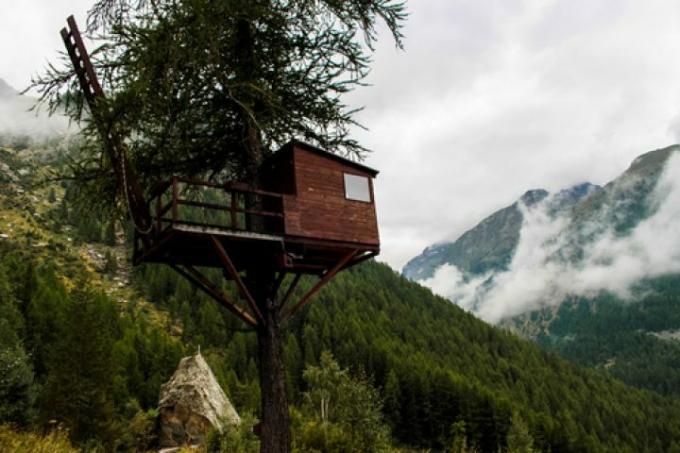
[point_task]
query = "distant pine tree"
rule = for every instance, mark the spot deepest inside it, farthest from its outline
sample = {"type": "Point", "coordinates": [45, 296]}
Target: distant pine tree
{"type": "Point", "coordinates": [79, 386]}
{"type": "Point", "coordinates": [519, 439]}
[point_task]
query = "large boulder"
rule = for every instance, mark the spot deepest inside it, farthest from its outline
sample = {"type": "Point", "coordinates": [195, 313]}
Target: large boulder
{"type": "Point", "coordinates": [191, 404]}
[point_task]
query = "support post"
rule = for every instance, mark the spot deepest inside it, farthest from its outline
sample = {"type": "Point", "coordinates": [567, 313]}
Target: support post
{"type": "Point", "coordinates": [232, 210]}
{"type": "Point", "coordinates": [159, 206]}
{"type": "Point", "coordinates": [175, 197]}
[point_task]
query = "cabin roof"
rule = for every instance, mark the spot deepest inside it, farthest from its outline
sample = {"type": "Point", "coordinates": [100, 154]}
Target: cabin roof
{"type": "Point", "coordinates": [316, 150]}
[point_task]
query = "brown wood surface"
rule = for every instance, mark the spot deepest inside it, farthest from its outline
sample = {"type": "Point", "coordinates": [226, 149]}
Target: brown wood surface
{"type": "Point", "coordinates": [320, 210]}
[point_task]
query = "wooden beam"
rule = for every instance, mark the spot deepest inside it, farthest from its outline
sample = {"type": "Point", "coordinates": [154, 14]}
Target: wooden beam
{"type": "Point", "coordinates": [361, 259]}
{"type": "Point", "coordinates": [277, 283]}
{"type": "Point", "coordinates": [201, 282]}
{"type": "Point", "coordinates": [290, 290]}
{"type": "Point", "coordinates": [322, 282]}
{"type": "Point", "coordinates": [149, 249]}
{"type": "Point", "coordinates": [175, 196]}
{"type": "Point", "coordinates": [233, 273]}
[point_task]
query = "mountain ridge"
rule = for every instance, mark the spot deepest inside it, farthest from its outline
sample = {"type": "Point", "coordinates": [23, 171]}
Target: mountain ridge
{"type": "Point", "coordinates": [597, 283]}
{"type": "Point", "coordinates": [472, 251]}
{"type": "Point", "coordinates": [6, 90]}
{"type": "Point", "coordinates": [497, 236]}
{"type": "Point", "coordinates": [20, 123]}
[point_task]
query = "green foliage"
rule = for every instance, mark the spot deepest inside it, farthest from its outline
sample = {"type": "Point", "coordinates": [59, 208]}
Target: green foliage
{"type": "Point", "coordinates": [631, 340]}
{"type": "Point", "coordinates": [459, 441]}
{"type": "Point", "coordinates": [519, 439]}
{"type": "Point", "coordinates": [448, 366]}
{"type": "Point", "coordinates": [79, 387]}
{"type": "Point", "coordinates": [210, 87]}
{"type": "Point", "coordinates": [17, 391]}
{"type": "Point", "coordinates": [110, 263]}
{"type": "Point", "coordinates": [140, 434]}
{"type": "Point", "coordinates": [324, 385]}
{"type": "Point", "coordinates": [347, 411]}
{"type": "Point", "coordinates": [434, 366]}
{"type": "Point", "coordinates": [446, 380]}
{"type": "Point", "coordinates": [17, 442]}
{"type": "Point", "coordinates": [91, 362]}
{"type": "Point", "coordinates": [234, 438]}
{"type": "Point", "coordinates": [144, 357]}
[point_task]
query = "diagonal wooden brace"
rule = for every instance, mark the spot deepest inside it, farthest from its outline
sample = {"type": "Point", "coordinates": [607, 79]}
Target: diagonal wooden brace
{"type": "Point", "coordinates": [290, 290]}
{"type": "Point", "coordinates": [322, 282]}
{"type": "Point", "coordinates": [199, 280]}
{"type": "Point", "coordinates": [233, 273]}
{"type": "Point", "coordinates": [277, 283]}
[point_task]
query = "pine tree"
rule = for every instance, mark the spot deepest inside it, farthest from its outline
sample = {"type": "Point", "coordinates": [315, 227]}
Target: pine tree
{"type": "Point", "coordinates": [17, 389]}
{"type": "Point", "coordinates": [519, 439]}
{"type": "Point", "coordinates": [391, 394]}
{"type": "Point", "coordinates": [79, 386]}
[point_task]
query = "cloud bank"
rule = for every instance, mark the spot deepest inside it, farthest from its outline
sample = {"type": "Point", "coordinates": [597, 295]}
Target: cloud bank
{"type": "Point", "coordinates": [538, 277]}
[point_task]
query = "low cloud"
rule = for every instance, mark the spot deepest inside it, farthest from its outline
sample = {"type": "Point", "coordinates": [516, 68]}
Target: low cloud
{"type": "Point", "coordinates": [18, 119]}
{"type": "Point", "coordinates": [612, 262]}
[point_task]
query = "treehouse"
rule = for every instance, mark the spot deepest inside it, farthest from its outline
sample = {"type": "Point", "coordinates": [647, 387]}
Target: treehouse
{"type": "Point", "coordinates": [316, 209]}
{"type": "Point", "coordinates": [313, 212]}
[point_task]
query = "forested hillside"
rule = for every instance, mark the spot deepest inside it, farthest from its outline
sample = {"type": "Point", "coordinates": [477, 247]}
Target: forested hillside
{"type": "Point", "coordinates": [86, 344]}
{"type": "Point", "coordinates": [634, 340]}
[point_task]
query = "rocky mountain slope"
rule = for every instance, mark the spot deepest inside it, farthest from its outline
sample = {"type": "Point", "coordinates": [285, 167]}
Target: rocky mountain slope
{"type": "Point", "coordinates": [490, 245]}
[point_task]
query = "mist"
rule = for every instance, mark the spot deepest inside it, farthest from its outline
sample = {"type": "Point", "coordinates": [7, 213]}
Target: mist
{"type": "Point", "coordinates": [19, 123]}
{"type": "Point", "coordinates": [540, 276]}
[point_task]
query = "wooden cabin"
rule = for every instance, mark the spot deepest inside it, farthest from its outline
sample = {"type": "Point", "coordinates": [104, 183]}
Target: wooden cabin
{"type": "Point", "coordinates": [314, 210]}
{"type": "Point", "coordinates": [326, 197]}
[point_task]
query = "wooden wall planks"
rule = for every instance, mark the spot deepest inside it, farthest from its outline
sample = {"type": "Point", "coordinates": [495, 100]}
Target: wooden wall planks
{"type": "Point", "coordinates": [320, 209]}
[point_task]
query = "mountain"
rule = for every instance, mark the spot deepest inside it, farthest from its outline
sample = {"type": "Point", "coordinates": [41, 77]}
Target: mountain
{"type": "Point", "coordinates": [70, 303]}
{"type": "Point", "coordinates": [490, 245]}
{"type": "Point", "coordinates": [586, 210]}
{"type": "Point", "coordinates": [635, 340]}
{"type": "Point", "coordinates": [595, 279]}
{"type": "Point", "coordinates": [6, 91]}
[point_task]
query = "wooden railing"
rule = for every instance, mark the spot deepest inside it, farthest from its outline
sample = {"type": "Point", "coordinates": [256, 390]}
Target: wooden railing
{"type": "Point", "coordinates": [231, 206]}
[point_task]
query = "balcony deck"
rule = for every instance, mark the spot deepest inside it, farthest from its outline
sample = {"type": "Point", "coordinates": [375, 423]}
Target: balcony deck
{"type": "Point", "coordinates": [189, 217]}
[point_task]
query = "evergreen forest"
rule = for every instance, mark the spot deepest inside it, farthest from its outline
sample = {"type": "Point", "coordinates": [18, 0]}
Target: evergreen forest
{"type": "Point", "coordinates": [86, 341]}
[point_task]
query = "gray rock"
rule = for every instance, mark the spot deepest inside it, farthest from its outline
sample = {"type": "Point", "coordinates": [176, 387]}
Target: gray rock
{"type": "Point", "coordinates": [191, 404]}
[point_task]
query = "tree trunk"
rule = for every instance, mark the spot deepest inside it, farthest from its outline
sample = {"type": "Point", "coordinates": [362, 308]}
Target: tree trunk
{"type": "Point", "coordinates": [275, 434]}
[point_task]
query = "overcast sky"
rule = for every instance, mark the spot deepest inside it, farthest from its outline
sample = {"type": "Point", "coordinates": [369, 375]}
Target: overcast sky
{"type": "Point", "coordinates": [489, 99]}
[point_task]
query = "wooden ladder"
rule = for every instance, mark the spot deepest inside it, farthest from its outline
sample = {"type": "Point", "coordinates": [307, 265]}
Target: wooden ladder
{"type": "Point", "coordinates": [113, 143]}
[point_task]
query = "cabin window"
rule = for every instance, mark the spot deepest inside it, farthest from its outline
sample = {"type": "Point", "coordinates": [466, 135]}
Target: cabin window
{"type": "Point", "coordinates": [357, 188]}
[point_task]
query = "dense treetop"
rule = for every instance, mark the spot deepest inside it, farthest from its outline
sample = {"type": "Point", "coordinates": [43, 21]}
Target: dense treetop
{"type": "Point", "coordinates": [210, 87]}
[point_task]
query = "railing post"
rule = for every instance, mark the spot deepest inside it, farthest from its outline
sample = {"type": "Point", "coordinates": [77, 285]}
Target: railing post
{"type": "Point", "coordinates": [232, 208]}
{"type": "Point", "coordinates": [282, 219]}
{"type": "Point", "coordinates": [158, 213]}
{"type": "Point", "coordinates": [175, 197]}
